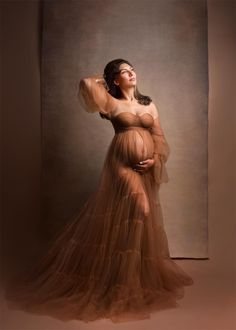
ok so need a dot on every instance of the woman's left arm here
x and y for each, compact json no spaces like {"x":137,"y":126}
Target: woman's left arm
{"x":161,"y":148}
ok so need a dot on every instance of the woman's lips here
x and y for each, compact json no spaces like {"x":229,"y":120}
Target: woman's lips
{"x":132,"y":79}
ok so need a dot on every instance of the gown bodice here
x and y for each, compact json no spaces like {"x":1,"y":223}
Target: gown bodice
{"x":126,"y":120}
{"x":133,"y":141}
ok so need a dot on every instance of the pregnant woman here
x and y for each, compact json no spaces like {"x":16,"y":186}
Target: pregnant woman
{"x":112,"y":259}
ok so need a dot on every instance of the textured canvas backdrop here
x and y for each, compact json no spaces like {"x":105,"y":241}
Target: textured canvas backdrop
{"x":166,"y":41}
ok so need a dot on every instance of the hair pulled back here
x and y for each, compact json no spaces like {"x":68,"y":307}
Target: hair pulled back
{"x":111,"y":71}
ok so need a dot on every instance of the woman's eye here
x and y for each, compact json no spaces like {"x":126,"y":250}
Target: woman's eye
{"x":126,"y":71}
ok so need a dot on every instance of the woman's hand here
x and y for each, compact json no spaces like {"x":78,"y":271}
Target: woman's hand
{"x":144,"y":165}
{"x":100,"y":80}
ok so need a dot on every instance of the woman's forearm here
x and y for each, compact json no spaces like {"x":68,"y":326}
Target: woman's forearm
{"x":95,"y":79}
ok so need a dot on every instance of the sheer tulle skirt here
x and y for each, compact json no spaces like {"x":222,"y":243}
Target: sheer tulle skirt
{"x":112,"y":259}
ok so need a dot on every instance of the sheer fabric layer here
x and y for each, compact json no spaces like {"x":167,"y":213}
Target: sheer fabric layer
{"x":112,"y":259}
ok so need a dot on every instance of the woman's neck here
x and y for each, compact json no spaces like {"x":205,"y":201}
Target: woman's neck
{"x":128,"y":95}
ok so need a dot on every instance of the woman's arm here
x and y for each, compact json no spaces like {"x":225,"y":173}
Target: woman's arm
{"x":161,"y":151}
{"x":161,"y":148}
{"x":94,"y":97}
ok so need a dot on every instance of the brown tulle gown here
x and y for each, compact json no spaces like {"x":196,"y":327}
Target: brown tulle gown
{"x":111,"y":260}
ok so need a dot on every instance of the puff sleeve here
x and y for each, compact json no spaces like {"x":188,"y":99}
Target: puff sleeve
{"x":161,"y":150}
{"x":94,"y":97}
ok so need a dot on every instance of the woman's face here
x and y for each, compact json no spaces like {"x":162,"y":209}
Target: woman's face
{"x":127,"y":76}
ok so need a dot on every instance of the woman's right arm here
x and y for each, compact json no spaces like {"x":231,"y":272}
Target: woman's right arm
{"x":94,"y":97}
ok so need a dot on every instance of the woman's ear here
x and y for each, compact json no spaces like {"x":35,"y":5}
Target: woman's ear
{"x":116,"y":82}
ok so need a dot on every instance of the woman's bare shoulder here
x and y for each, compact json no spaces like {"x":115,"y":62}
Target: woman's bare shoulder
{"x":150,"y":109}
{"x":153,"y":110}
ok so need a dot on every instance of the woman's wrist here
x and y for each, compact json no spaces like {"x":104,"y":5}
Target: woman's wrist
{"x":98,"y":77}
{"x":100,"y":80}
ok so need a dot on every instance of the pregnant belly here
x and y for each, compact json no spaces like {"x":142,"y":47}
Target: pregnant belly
{"x":134,"y":146}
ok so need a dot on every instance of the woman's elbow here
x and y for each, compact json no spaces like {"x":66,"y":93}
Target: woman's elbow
{"x":83,"y":82}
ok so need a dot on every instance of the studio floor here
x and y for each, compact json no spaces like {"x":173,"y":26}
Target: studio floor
{"x":209,"y":304}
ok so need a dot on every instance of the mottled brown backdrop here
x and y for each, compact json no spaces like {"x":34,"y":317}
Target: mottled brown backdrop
{"x":166,"y":41}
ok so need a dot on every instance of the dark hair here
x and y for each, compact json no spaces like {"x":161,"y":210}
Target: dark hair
{"x":111,"y":71}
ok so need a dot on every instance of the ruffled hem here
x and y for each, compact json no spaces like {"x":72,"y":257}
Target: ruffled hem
{"x":157,"y":283}
{"x":119,"y":303}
